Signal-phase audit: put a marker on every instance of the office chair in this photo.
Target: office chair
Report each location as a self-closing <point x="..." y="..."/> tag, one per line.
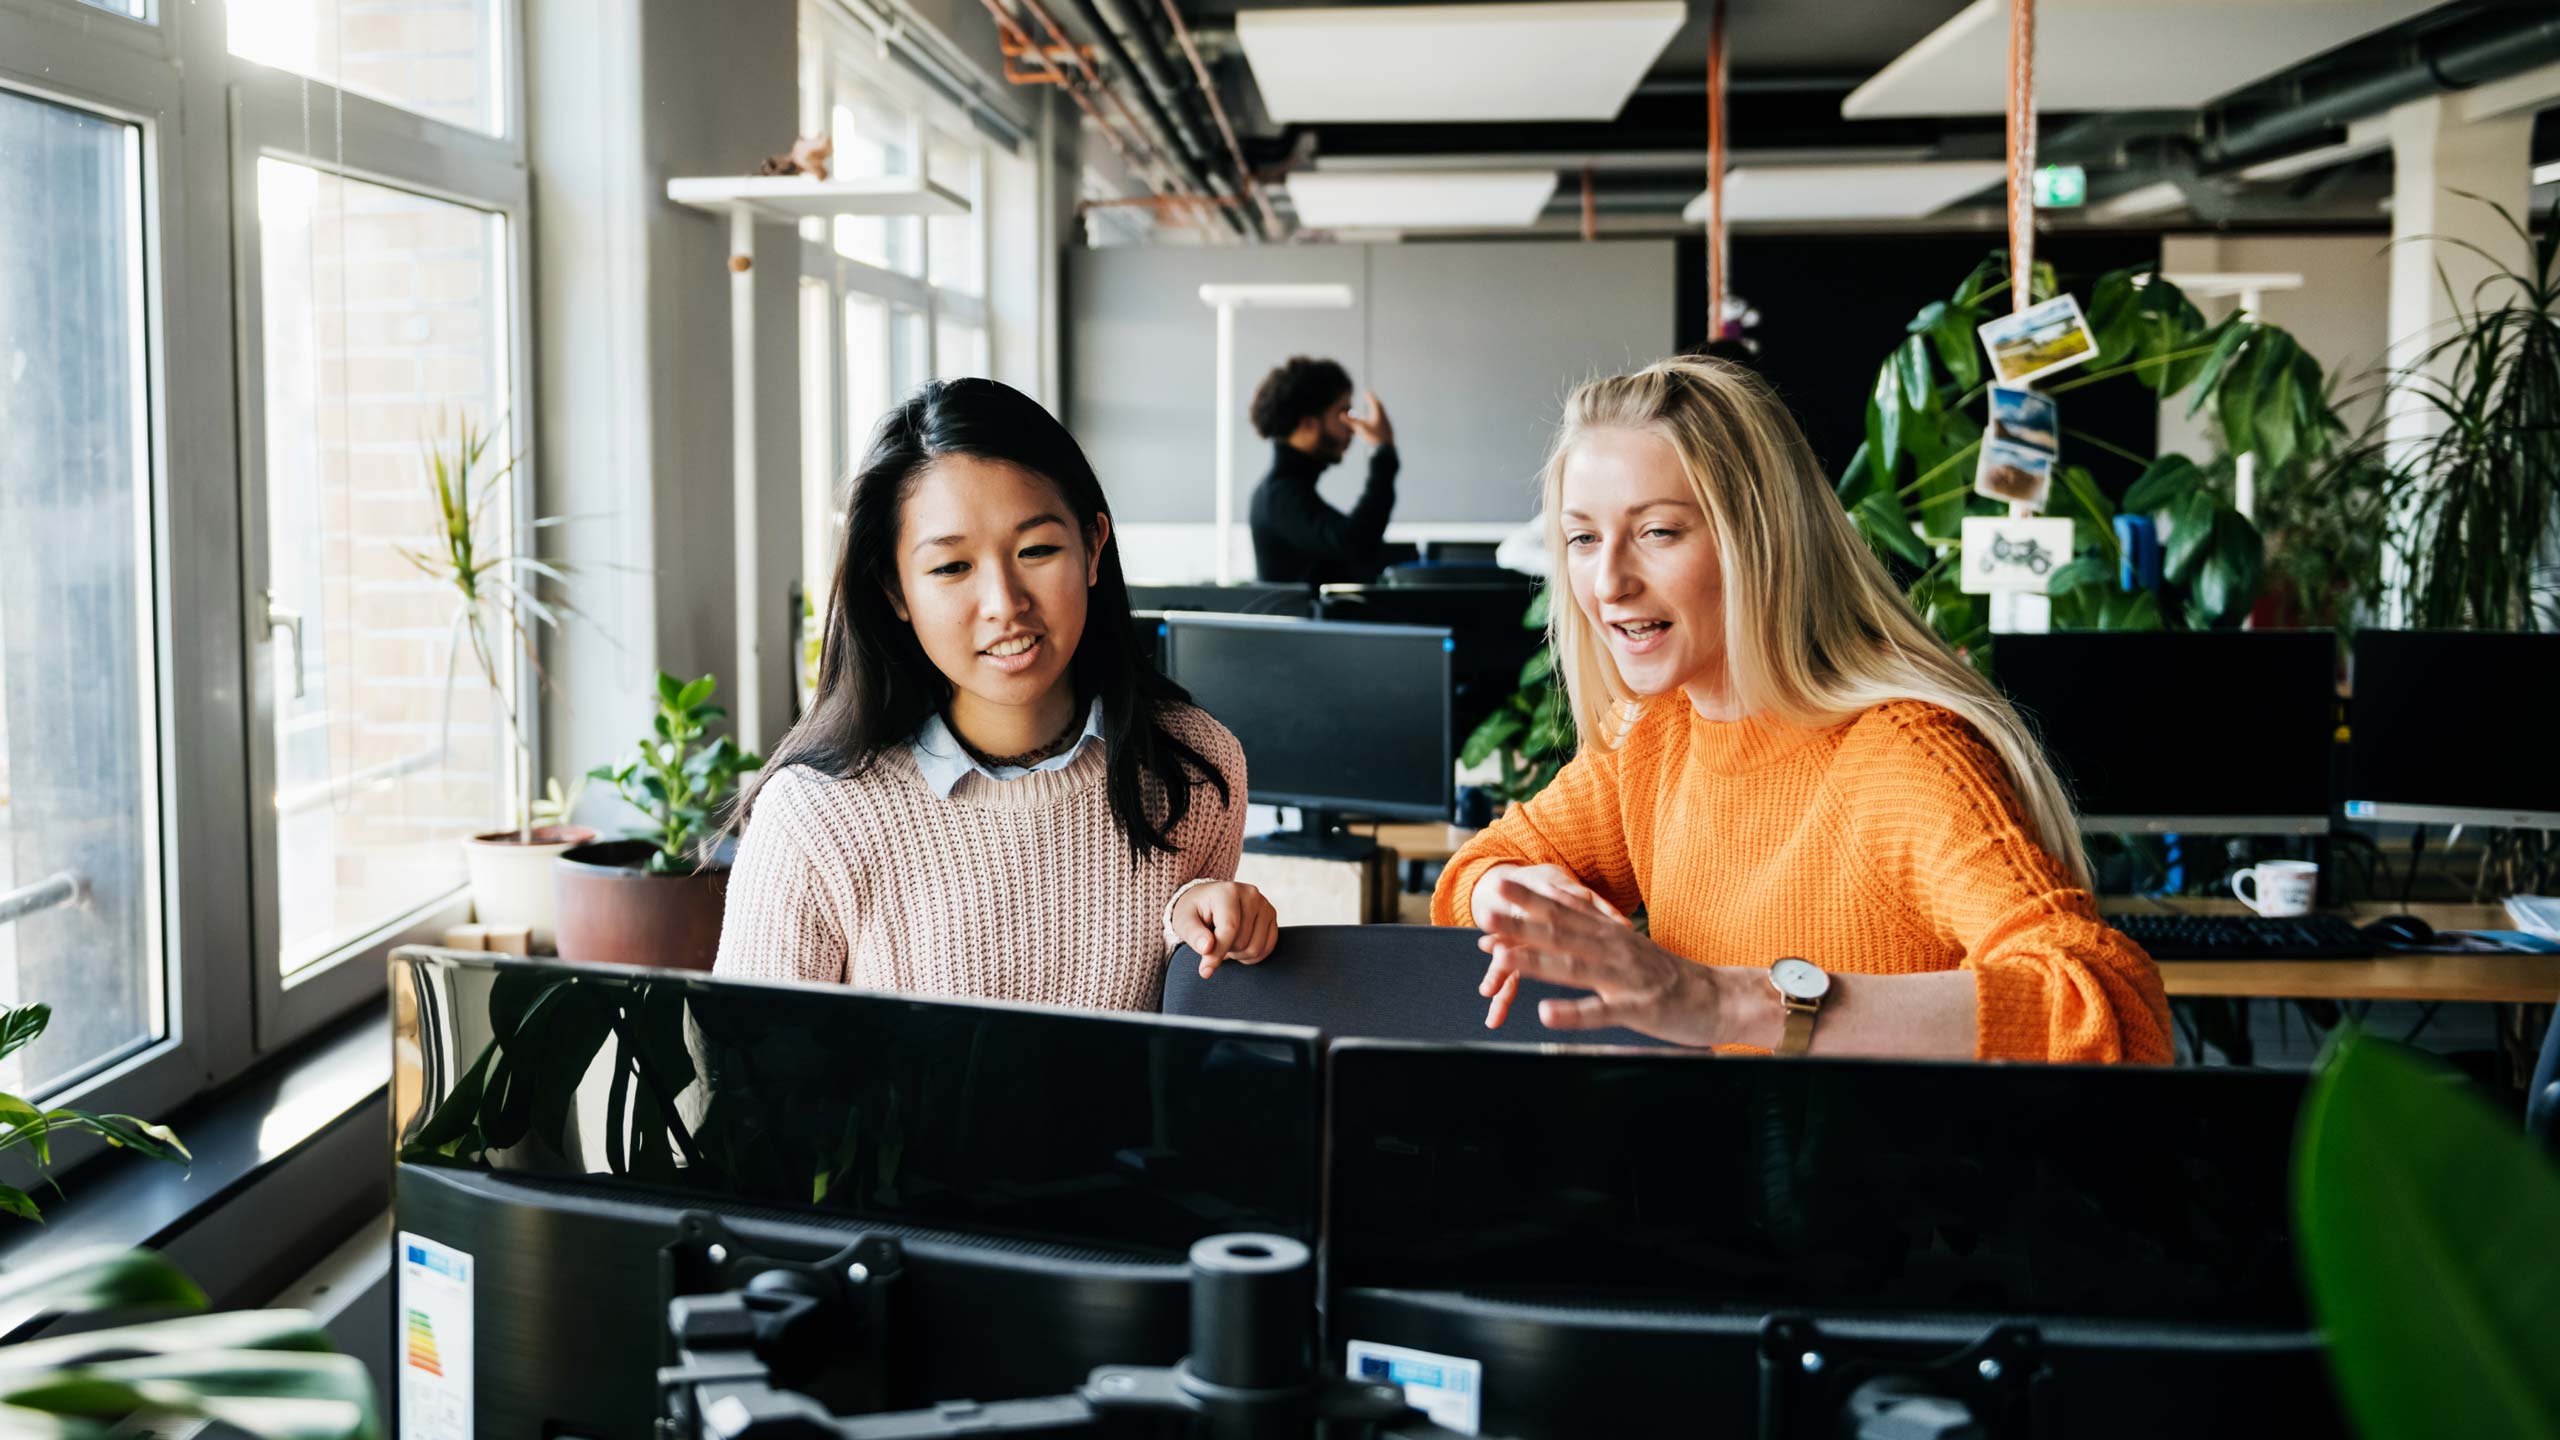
<point x="1373" y="982"/>
<point x="1427" y="575"/>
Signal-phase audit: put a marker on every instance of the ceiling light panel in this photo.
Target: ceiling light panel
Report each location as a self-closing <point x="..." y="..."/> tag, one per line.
<point x="2117" y="54"/>
<point x="1419" y="200"/>
<point x="1755" y="193"/>
<point x="1536" y="61"/>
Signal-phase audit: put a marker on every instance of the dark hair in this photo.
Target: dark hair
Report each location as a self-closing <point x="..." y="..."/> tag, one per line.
<point x="1294" y="391"/>
<point x="876" y="686"/>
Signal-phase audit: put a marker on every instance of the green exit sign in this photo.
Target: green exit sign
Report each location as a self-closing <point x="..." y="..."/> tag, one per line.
<point x="2061" y="187"/>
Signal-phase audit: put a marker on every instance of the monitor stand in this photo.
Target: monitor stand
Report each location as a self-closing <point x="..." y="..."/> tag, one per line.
<point x="1321" y="835"/>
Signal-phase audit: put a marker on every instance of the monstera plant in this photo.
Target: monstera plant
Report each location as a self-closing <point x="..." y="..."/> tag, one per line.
<point x="1910" y="485"/>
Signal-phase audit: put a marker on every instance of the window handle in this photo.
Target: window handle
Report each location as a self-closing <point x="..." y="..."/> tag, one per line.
<point x="285" y="617"/>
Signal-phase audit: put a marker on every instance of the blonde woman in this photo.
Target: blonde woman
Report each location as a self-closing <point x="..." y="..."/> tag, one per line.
<point x="1843" y="839"/>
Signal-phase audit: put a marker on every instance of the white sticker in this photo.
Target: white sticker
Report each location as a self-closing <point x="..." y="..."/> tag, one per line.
<point x="1445" y="1388"/>
<point x="2005" y="554"/>
<point x="435" y="1340"/>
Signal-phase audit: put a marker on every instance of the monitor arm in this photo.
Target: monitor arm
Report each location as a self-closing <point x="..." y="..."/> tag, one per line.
<point x="1251" y="1374"/>
<point x="1815" y="1382"/>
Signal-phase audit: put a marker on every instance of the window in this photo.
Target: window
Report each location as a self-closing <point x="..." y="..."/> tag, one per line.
<point x="440" y="58"/>
<point x="383" y="329"/>
<point x="79" y="787"/>
<point x="909" y="292"/>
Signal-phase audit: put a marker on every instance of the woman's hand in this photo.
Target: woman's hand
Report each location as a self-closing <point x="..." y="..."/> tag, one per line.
<point x="1225" y="921"/>
<point x="1501" y="984"/>
<point x="1633" y="982"/>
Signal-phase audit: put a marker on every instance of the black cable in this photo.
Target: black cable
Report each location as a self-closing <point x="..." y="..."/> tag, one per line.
<point x="2417" y="847"/>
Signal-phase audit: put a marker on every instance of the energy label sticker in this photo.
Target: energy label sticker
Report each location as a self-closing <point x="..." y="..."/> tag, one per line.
<point x="434" y="1340"/>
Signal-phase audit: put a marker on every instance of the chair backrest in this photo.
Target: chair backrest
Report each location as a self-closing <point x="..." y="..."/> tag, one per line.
<point x="1372" y="982"/>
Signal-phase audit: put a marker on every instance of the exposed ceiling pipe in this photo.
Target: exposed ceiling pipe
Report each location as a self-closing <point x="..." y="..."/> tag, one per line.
<point x="1011" y="33"/>
<point x="1173" y="131"/>
<point x="2448" y="61"/>
<point x="1135" y="45"/>
<point x="1626" y="162"/>
<point x="1218" y="112"/>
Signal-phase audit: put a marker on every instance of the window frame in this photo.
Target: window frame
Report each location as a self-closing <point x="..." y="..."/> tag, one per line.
<point x="387" y="146"/>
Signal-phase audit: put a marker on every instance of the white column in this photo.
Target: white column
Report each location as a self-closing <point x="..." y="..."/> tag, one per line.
<point x="748" y="696"/>
<point x="1226" y="444"/>
<point x="2441" y="160"/>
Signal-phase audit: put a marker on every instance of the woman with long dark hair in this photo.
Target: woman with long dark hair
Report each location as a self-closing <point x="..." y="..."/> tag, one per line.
<point x="995" y="794"/>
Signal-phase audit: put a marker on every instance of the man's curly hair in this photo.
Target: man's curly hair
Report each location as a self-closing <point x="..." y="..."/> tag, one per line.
<point x="1295" y="391"/>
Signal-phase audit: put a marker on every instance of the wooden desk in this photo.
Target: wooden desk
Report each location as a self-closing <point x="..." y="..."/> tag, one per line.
<point x="1418" y="842"/>
<point x="2459" y="979"/>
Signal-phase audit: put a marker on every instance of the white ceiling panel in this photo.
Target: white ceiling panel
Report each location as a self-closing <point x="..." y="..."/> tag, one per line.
<point x="1379" y="64"/>
<point x="1419" y="200"/>
<point x="2116" y="54"/>
<point x="1847" y="192"/>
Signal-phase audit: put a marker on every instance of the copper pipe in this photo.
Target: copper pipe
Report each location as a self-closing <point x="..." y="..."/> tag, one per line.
<point x="1716" y="277"/>
<point x="2022" y="153"/>
<point x="1590" y="207"/>
<point x="1218" y="112"/>
<point x="1094" y="81"/>
<point x="1009" y="31"/>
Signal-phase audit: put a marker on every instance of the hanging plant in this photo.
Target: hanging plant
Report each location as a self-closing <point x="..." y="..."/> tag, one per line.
<point x="1910" y="485"/>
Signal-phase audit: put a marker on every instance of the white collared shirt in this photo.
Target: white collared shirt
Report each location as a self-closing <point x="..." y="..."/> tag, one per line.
<point x="945" y="762"/>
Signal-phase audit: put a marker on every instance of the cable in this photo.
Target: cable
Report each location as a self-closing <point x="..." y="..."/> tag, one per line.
<point x="2409" y="881"/>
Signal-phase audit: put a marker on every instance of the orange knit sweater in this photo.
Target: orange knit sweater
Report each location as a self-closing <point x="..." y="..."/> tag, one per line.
<point x="1890" y="845"/>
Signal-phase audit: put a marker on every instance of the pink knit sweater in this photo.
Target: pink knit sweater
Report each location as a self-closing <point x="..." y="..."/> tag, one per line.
<point x="1009" y="890"/>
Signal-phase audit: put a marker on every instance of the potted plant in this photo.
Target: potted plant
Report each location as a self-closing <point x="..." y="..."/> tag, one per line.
<point x="266" y="1373"/>
<point x="495" y="615"/>
<point x="654" y="898"/>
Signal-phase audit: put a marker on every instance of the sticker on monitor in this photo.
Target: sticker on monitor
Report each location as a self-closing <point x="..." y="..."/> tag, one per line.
<point x="1447" y="1388"/>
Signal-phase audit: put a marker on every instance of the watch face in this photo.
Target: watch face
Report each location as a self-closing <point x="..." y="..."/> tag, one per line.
<point x="1799" y="979"/>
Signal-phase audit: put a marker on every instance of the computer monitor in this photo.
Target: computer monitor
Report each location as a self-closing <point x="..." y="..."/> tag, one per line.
<point x="1242" y="598"/>
<point x="1492" y="645"/>
<point x="1150" y="627"/>
<point x="557" y="1125"/>
<point x="2220" y="731"/>
<point x="1336" y="718"/>
<point x="1608" y="1234"/>
<point x="2453" y="727"/>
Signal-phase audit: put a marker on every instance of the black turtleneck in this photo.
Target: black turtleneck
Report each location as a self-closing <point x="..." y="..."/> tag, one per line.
<point x="1300" y="540"/>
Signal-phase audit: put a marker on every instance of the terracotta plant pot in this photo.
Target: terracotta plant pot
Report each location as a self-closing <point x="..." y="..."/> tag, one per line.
<point x="612" y="911"/>
<point x="511" y="877"/>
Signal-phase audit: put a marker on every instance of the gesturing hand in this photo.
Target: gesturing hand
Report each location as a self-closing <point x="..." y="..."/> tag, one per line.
<point x="1373" y="427"/>
<point x="1633" y="982"/>
<point x="1501" y="985"/>
<point x="1226" y="921"/>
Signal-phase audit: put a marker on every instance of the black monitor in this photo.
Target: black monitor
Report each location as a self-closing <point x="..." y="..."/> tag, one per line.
<point x="2220" y="731"/>
<point x="1596" y="1243"/>
<point x="2450" y="727"/>
<point x="1336" y="718"/>
<point x="1241" y="598"/>
<point x="1150" y="626"/>
<point x="561" y="1129"/>
<point x="1493" y="645"/>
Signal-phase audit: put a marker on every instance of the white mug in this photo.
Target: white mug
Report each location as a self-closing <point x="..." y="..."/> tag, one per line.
<point x="2278" y="887"/>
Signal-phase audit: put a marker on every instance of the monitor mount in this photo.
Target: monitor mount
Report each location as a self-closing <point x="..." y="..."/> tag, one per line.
<point x="1815" y="1383"/>
<point x="750" y="1358"/>
<point x="1320" y="835"/>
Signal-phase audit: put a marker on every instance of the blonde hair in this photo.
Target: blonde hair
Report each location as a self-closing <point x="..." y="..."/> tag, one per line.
<point x="1815" y="631"/>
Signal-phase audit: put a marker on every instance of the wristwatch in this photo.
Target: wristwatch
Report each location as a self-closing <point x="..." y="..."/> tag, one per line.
<point x="1800" y="984"/>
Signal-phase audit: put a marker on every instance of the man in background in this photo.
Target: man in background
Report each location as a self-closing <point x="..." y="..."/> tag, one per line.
<point x="1304" y="409"/>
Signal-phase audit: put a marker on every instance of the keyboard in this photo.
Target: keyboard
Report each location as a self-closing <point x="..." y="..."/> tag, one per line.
<point x="2244" y="937"/>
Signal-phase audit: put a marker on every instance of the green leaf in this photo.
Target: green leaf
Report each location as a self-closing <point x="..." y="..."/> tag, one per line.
<point x="2234" y="333"/>
<point x="140" y="1136"/>
<point x="2087" y="570"/>
<point x="99" y="1279"/>
<point x="1919" y="393"/>
<point x="1930" y="314"/>
<point x="2425" y="1223"/>
<point x="18" y="1202"/>
<point x="1535" y="618"/>
<point x="2277" y="424"/>
<point x="20" y="1027"/>
<point x="1859" y="480"/>
<point x="2237" y="396"/>
<point x="695" y="693"/>
<point x="282" y="1330"/>
<point x="668" y="689"/>
<point x="1492" y="733"/>
<point x="1538" y="667"/>
<point x="1884" y="423"/>
<point x="27" y="1126"/>
<point x="1958" y="347"/>
<point x="2170" y="479"/>
<point x="1884" y="525"/>
<point x="2190" y="532"/>
<point x="2139" y="610"/>
<point x="2227" y="582"/>
<point x="280" y="1395"/>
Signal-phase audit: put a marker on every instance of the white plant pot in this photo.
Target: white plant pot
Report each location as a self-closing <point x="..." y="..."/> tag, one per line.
<point x="511" y="880"/>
